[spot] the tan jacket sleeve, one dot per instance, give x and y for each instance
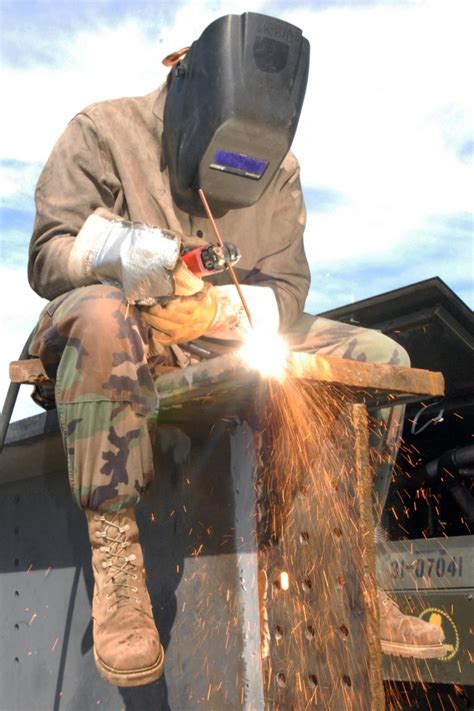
(73, 184)
(284, 267)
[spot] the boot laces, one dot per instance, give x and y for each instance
(121, 568)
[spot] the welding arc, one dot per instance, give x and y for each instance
(227, 263)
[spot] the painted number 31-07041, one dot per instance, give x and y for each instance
(427, 567)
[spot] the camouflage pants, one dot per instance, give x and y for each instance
(101, 357)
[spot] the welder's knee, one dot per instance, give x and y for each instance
(97, 310)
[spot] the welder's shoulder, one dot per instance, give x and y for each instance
(286, 177)
(290, 164)
(112, 111)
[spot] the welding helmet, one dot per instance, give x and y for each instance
(231, 111)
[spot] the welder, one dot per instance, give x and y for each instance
(117, 213)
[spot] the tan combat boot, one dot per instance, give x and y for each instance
(127, 647)
(406, 636)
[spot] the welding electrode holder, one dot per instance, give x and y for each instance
(210, 259)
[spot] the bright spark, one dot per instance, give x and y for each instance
(266, 353)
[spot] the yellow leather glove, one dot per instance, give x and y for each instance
(185, 282)
(183, 318)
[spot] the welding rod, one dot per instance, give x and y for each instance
(228, 264)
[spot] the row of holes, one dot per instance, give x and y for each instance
(305, 489)
(17, 626)
(16, 562)
(307, 583)
(309, 632)
(312, 680)
(304, 535)
(16, 530)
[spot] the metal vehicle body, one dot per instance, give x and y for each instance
(427, 560)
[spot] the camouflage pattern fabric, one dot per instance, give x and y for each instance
(101, 359)
(101, 355)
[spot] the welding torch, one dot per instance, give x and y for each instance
(214, 258)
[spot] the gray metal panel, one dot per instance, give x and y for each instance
(32, 447)
(201, 578)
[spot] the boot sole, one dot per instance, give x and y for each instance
(135, 677)
(418, 651)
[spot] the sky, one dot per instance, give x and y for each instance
(385, 140)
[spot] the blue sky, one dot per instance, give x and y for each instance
(385, 140)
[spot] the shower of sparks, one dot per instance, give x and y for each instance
(311, 534)
(309, 507)
(299, 427)
(307, 481)
(266, 353)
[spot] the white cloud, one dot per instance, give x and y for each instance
(103, 63)
(17, 185)
(380, 99)
(388, 97)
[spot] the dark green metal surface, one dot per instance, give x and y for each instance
(433, 579)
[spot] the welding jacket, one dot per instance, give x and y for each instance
(110, 156)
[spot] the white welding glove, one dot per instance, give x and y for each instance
(136, 257)
(231, 321)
